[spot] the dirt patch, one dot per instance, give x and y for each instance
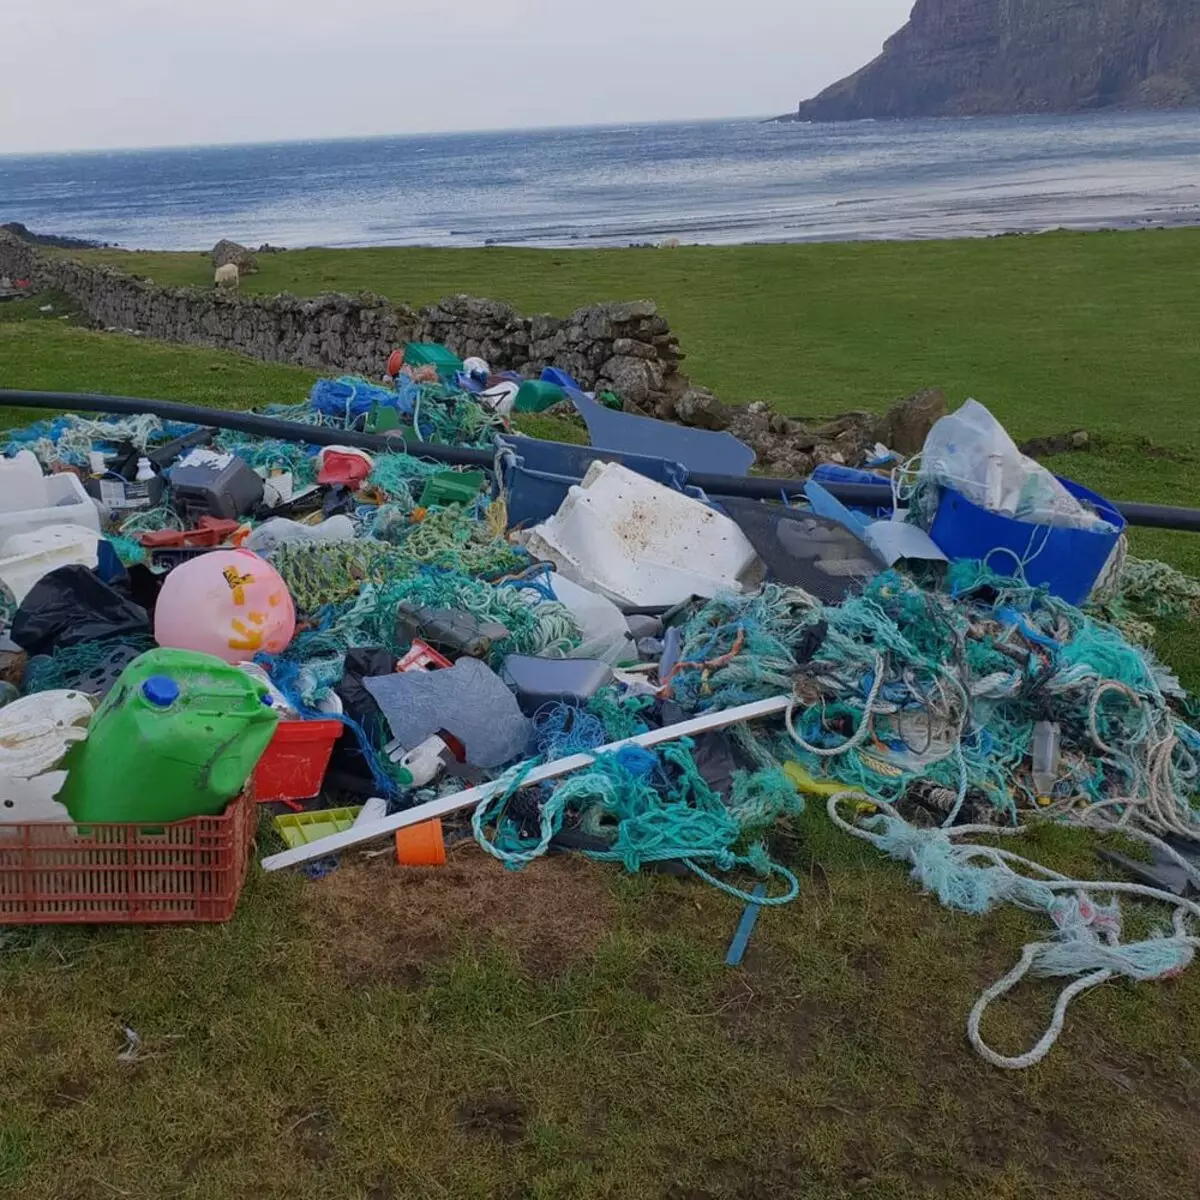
(311, 1134)
(68, 1091)
(378, 922)
(493, 1116)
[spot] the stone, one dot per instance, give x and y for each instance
(906, 425)
(631, 378)
(700, 408)
(226, 251)
(632, 349)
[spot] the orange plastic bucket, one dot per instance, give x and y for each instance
(421, 845)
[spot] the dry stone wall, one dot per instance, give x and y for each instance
(626, 347)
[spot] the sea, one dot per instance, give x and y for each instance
(716, 182)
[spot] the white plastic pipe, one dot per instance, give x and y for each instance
(563, 766)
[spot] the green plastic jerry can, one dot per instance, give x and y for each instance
(177, 737)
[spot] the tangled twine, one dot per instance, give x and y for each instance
(656, 807)
(975, 879)
(902, 684)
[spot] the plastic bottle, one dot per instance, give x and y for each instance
(428, 760)
(177, 737)
(1046, 754)
(145, 472)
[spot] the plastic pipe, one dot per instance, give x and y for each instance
(1148, 516)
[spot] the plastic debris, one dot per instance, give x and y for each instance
(642, 544)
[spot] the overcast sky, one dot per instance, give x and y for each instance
(90, 74)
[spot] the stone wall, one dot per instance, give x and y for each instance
(627, 348)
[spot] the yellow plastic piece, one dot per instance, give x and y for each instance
(804, 782)
(298, 829)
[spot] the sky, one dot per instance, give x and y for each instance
(94, 74)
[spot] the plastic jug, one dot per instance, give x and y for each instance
(177, 737)
(22, 484)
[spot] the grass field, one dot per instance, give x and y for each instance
(571, 1032)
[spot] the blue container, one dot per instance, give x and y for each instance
(1067, 562)
(535, 475)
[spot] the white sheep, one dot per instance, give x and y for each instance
(226, 276)
(671, 243)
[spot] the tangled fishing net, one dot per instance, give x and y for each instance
(902, 685)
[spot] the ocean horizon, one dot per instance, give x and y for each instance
(709, 182)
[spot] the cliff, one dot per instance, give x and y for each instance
(980, 57)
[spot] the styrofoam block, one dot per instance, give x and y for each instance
(639, 543)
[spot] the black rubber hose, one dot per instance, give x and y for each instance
(1149, 516)
(243, 422)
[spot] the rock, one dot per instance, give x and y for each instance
(226, 251)
(634, 380)
(828, 454)
(1060, 443)
(973, 57)
(906, 425)
(631, 349)
(699, 408)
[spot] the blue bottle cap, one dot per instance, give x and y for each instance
(160, 690)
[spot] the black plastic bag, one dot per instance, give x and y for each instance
(348, 763)
(73, 605)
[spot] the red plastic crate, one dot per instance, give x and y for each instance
(122, 874)
(293, 767)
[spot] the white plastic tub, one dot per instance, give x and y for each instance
(60, 500)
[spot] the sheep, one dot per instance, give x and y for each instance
(226, 276)
(671, 243)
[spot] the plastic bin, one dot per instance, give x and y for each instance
(63, 874)
(294, 763)
(1067, 562)
(64, 503)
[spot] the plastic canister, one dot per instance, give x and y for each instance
(535, 395)
(177, 737)
(22, 484)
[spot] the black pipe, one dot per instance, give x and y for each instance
(1149, 516)
(243, 422)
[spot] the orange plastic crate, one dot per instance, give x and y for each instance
(122, 874)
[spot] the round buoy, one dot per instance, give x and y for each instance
(228, 603)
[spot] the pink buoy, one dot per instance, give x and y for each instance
(228, 603)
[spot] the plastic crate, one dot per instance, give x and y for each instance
(188, 871)
(294, 764)
(431, 354)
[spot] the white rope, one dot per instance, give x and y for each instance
(860, 734)
(1053, 881)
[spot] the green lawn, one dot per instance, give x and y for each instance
(1051, 331)
(571, 1032)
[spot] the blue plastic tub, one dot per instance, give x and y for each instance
(535, 476)
(1067, 562)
